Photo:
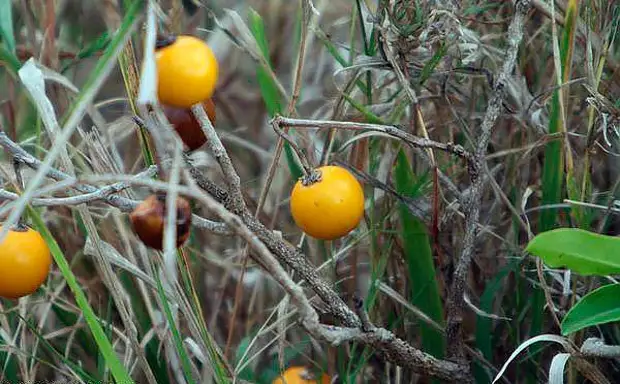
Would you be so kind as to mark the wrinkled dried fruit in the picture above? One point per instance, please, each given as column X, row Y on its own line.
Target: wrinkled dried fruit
column 148, row 220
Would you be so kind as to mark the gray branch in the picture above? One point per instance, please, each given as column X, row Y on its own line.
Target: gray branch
column 596, row 347
column 455, row 303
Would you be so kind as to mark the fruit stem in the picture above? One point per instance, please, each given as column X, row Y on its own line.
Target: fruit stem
column 303, row 159
column 313, row 176
column 157, row 159
column 165, row 40
column 21, row 225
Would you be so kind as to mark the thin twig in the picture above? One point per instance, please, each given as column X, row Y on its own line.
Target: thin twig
column 216, row 147
column 305, row 164
column 389, row 130
column 85, row 198
column 122, row 203
column 20, row 185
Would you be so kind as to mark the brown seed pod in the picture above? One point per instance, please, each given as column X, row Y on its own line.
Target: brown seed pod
column 148, row 220
column 187, row 126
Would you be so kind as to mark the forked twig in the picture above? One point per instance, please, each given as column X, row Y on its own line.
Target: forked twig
column 389, row 130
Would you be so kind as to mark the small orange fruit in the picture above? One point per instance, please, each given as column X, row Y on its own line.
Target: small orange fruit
column 149, row 217
column 25, row 262
column 330, row 207
column 300, row 375
column 187, row 71
column 186, row 125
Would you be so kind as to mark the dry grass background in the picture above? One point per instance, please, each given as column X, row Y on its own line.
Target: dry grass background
column 507, row 306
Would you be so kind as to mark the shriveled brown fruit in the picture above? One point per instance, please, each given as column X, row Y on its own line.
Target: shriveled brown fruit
column 149, row 217
column 186, row 125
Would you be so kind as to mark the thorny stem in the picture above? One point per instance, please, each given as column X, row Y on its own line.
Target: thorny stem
column 455, row 303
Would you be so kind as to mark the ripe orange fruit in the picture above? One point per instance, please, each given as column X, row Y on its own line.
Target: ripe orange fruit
column 300, row 375
column 186, row 125
column 329, row 208
column 187, row 71
column 149, row 217
column 25, row 262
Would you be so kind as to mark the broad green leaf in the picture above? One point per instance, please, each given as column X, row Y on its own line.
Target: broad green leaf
column 597, row 307
column 584, row 252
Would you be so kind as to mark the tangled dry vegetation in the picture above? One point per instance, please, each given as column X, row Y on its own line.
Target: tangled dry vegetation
column 473, row 125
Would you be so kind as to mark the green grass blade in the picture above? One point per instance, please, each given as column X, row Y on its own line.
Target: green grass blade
column 555, row 161
column 430, row 66
column 176, row 335
column 484, row 325
column 8, row 361
column 215, row 355
column 110, row 54
column 99, row 44
column 419, row 257
column 105, row 346
column 268, row 89
column 6, row 25
column 156, row 361
column 9, row 61
column 56, row 354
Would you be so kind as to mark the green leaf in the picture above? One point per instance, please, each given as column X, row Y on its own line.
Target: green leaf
column 430, row 66
column 368, row 115
column 105, row 346
column 6, row 25
column 584, row 252
column 99, row 44
column 597, row 307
